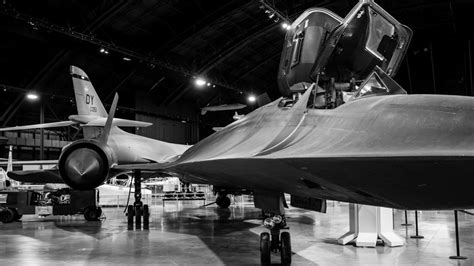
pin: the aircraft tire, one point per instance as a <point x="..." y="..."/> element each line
<point x="223" y="202"/>
<point x="265" y="254"/>
<point x="7" y="215"/>
<point x="92" y="213"/>
<point x="16" y="216"/>
<point x="146" y="217"/>
<point x="130" y="215"/>
<point x="138" y="217"/>
<point x="285" y="251"/>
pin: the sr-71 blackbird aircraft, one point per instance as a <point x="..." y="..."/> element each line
<point x="344" y="130"/>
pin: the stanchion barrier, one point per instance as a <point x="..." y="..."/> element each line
<point x="458" y="253"/>
<point x="406" y="219"/>
<point x="416" y="236"/>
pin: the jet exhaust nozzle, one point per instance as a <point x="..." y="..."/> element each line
<point x="85" y="164"/>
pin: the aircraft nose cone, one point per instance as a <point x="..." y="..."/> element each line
<point x="83" y="166"/>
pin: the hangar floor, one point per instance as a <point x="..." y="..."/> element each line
<point x="187" y="234"/>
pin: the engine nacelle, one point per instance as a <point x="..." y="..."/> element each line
<point x="85" y="164"/>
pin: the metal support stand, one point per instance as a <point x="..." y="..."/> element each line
<point x="458" y="255"/>
<point x="416" y="236"/>
<point x="138" y="209"/>
<point x="130" y="215"/>
<point x="406" y="219"/>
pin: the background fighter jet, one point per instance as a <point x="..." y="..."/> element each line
<point x="87" y="163"/>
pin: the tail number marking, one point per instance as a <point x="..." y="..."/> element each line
<point x="90" y="101"/>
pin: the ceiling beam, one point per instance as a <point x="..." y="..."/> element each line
<point x="108" y="45"/>
<point x="46" y="71"/>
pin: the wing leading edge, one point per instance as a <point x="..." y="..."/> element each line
<point x="38" y="126"/>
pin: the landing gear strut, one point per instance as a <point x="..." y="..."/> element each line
<point x="138" y="210"/>
<point x="275" y="242"/>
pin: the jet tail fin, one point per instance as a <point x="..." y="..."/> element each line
<point x="87" y="100"/>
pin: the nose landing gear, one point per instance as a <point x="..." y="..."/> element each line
<point x="275" y="242"/>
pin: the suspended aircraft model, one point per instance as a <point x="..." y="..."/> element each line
<point x="378" y="147"/>
<point x="222" y="107"/>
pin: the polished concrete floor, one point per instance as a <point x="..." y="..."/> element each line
<point x="186" y="234"/>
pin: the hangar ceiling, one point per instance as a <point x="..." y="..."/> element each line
<point x="233" y="44"/>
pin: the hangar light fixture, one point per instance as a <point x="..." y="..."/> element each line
<point x="32" y="96"/>
<point x="286" y="26"/>
<point x="200" y="82"/>
<point x="274" y="14"/>
<point x="103" y="51"/>
<point x="126" y="59"/>
<point x="251" y="98"/>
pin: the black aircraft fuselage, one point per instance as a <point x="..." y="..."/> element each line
<point x="401" y="151"/>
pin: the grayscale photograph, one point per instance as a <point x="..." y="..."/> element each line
<point x="239" y="132"/>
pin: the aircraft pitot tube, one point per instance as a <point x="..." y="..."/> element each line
<point x="85" y="164"/>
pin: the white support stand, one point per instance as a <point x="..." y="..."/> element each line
<point x="385" y="228"/>
<point x="367" y="224"/>
<point x="353" y="226"/>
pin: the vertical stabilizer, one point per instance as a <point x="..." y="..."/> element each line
<point x="87" y="100"/>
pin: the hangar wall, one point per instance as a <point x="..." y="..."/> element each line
<point x="177" y="123"/>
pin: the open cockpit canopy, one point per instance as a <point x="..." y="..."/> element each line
<point x="320" y="46"/>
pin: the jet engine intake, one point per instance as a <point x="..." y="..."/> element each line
<point x="85" y="164"/>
